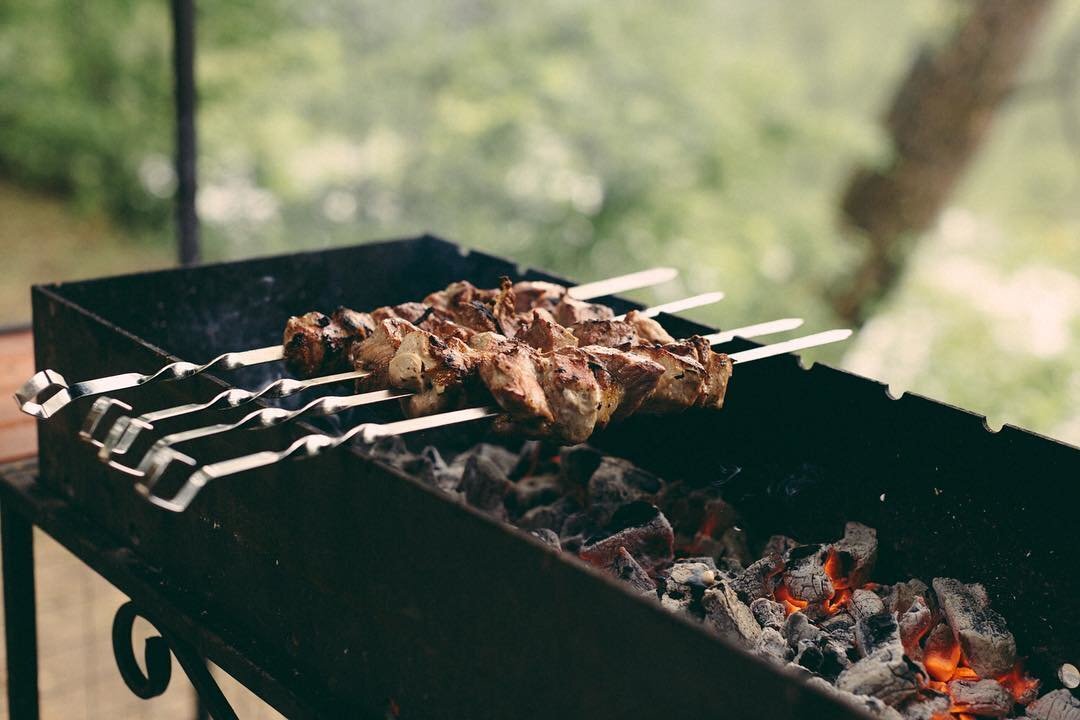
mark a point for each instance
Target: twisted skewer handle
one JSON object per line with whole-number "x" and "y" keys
{"x": 305, "y": 447}
{"x": 47, "y": 391}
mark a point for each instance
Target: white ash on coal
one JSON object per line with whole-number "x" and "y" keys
{"x": 907, "y": 651}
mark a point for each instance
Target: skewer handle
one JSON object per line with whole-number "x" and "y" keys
{"x": 47, "y": 392}
{"x": 305, "y": 447}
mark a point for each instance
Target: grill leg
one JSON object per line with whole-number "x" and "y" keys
{"x": 20, "y": 617}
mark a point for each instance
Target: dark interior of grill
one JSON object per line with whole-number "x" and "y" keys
{"x": 797, "y": 451}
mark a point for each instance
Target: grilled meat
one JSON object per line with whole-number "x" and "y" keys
{"x": 436, "y": 370}
{"x": 376, "y": 351}
{"x": 543, "y": 333}
{"x": 682, "y": 383}
{"x": 625, "y": 378}
{"x": 647, "y": 329}
{"x": 571, "y": 312}
{"x": 315, "y": 342}
{"x": 609, "y": 333}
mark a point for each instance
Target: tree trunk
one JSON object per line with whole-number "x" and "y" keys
{"x": 939, "y": 117}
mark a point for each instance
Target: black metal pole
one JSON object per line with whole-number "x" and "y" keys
{"x": 183, "y": 17}
{"x": 20, "y": 614}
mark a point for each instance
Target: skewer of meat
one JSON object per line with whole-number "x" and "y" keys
{"x": 47, "y": 391}
{"x": 560, "y": 402}
{"x": 315, "y": 343}
{"x": 118, "y": 443}
{"x": 318, "y": 443}
{"x": 318, "y": 340}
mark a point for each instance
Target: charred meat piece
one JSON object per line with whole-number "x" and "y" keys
{"x": 436, "y": 370}
{"x": 609, "y": 333}
{"x": 543, "y": 333}
{"x": 647, "y": 329}
{"x": 411, "y": 311}
{"x": 571, "y": 312}
{"x": 316, "y": 343}
{"x": 459, "y": 293}
{"x": 537, "y": 295}
{"x": 717, "y": 370}
{"x": 571, "y": 393}
{"x": 682, "y": 384}
{"x": 376, "y": 351}
{"x": 625, "y": 380}
{"x": 510, "y": 371}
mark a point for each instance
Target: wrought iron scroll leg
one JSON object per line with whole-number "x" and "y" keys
{"x": 159, "y": 665}
{"x": 20, "y": 613}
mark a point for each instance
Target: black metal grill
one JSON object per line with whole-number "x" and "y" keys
{"x": 393, "y": 596}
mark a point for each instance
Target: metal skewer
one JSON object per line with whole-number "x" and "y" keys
{"x": 310, "y": 445}
{"x": 124, "y": 434}
{"x": 125, "y": 430}
{"x": 44, "y": 394}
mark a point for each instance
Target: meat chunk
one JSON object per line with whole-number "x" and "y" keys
{"x": 537, "y": 295}
{"x": 376, "y": 351}
{"x": 570, "y": 393}
{"x": 511, "y": 373}
{"x": 571, "y": 312}
{"x": 647, "y": 329}
{"x": 682, "y": 383}
{"x": 609, "y": 333}
{"x": 543, "y": 333}
{"x": 315, "y": 343}
{"x": 436, "y": 370}
{"x": 625, "y": 380}
{"x": 717, "y": 371}
{"x": 459, "y": 293}
{"x": 410, "y": 311}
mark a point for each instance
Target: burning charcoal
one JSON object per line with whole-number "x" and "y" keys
{"x": 551, "y": 516}
{"x": 865, "y": 603}
{"x": 805, "y": 578}
{"x": 578, "y": 463}
{"x": 430, "y": 467}
{"x": 768, "y": 613}
{"x": 729, "y": 616}
{"x": 707, "y": 561}
{"x": 840, "y": 627}
{"x": 527, "y": 460}
{"x": 677, "y": 603}
{"x": 865, "y": 703}
{"x": 941, "y": 653}
{"x": 616, "y": 482}
{"x": 771, "y": 644}
{"x": 533, "y": 490}
{"x": 485, "y": 484}
{"x": 500, "y": 456}
{"x": 798, "y": 629}
{"x": 900, "y": 596}
{"x": 877, "y": 632}
{"x": 642, "y": 530}
{"x": 914, "y": 623}
{"x": 759, "y": 579}
{"x": 548, "y": 537}
{"x": 930, "y": 706}
{"x": 1057, "y": 705}
{"x": 855, "y": 554}
{"x": 627, "y": 569}
{"x": 697, "y": 514}
{"x": 981, "y": 697}
{"x": 779, "y": 545}
{"x": 885, "y": 674}
{"x": 988, "y": 645}
{"x": 692, "y": 574}
{"x": 733, "y": 545}
{"x": 391, "y": 449}
{"x": 576, "y": 529}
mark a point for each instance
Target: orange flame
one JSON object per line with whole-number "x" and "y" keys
{"x": 1019, "y": 684}
{"x": 942, "y": 667}
{"x": 791, "y": 603}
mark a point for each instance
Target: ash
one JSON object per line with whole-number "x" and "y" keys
{"x": 908, "y": 651}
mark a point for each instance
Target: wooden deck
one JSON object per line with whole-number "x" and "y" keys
{"x": 78, "y": 678}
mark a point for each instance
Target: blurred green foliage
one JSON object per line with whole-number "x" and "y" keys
{"x": 586, "y": 137}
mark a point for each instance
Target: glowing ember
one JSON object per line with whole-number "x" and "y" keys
{"x": 791, "y": 604}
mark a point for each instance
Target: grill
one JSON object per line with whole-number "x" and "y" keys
{"x": 394, "y": 597}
